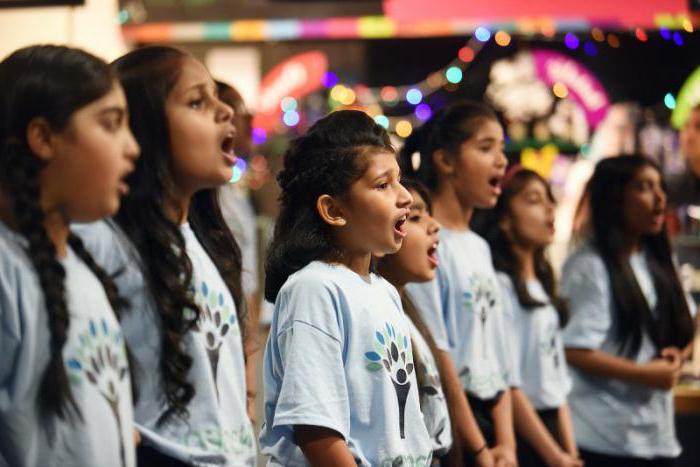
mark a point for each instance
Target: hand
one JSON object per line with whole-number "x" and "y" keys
{"x": 504, "y": 456}
{"x": 484, "y": 459}
{"x": 251, "y": 409}
{"x": 565, "y": 459}
{"x": 673, "y": 355}
{"x": 137, "y": 438}
{"x": 661, "y": 373}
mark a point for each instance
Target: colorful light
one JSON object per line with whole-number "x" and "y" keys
{"x": 454, "y": 74}
{"x": 259, "y": 136}
{"x": 466, "y": 54}
{"x": 678, "y": 38}
{"x": 688, "y": 25}
{"x": 414, "y": 96}
{"x": 670, "y": 101}
{"x": 288, "y": 104}
{"x": 590, "y": 49}
{"x": 330, "y": 79}
{"x": 482, "y": 34}
{"x": 598, "y": 34}
{"x": 560, "y": 90}
{"x": 641, "y": 34}
{"x": 404, "y": 128}
{"x": 613, "y": 41}
{"x": 502, "y": 38}
{"x": 337, "y": 92}
{"x": 291, "y": 118}
{"x": 389, "y": 94}
{"x": 423, "y": 112}
{"x": 348, "y": 97}
{"x": 236, "y": 175}
{"x": 665, "y": 33}
{"x": 382, "y": 121}
{"x": 571, "y": 41}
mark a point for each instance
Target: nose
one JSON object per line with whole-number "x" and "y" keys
{"x": 433, "y": 226}
{"x": 224, "y": 112}
{"x": 661, "y": 196}
{"x": 405, "y": 198}
{"x": 501, "y": 160}
{"x": 132, "y": 148}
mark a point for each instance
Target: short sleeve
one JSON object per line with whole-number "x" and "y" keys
{"x": 585, "y": 286}
{"x": 512, "y": 330}
{"x": 430, "y": 299}
{"x": 10, "y": 340}
{"x": 309, "y": 361}
{"x": 106, "y": 243}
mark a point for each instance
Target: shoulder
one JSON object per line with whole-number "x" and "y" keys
{"x": 107, "y": 243}
{"x": 585, "y": 259}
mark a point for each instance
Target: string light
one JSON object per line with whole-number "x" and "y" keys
{"x": 414, "y": 96}
{"x": 598, "y": 34}
{"x": 571, "y": 41}
{"x": 560, "y": 90}
{"x": 288, "y": 104}
{"x": 291, "y": 118}
{"x": 641, "y": 34}
{"x": 454, "y": 74}
{"x": 423, "y": 112}
{"x": 466, "y": 54}
{"x": 590, "y": 49}
{"x": 502, "y": 38}
{"x": 382, "y": 121}
{"x": 259, "y": 135}
{"x": 670, "y": 101}
{"x": 613, "y": 41}
{"x": 482, "y": 34}
{"x": 678, "y": 38}
{"x": 330, "y": 79}
{"x": 404, "y": 128}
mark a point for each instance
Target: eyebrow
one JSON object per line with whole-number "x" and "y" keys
{"x": 419, "y": 206}
{"x": 386, "y": 173}
{"x": 114, "y": 109}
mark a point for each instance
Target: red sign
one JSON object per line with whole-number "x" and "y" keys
{"x": 296, "y": 77}
{"x": 625, "y": 12}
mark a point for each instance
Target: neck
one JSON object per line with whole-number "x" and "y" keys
{"x": 56, "y": 225}
{"x": 177, "y": 208}
{"x": 526, "y": 259}
{"x": 448, "y": 210}
{"x": 393, "y": 278}
{"x": 356, "y": 262}
{"x": 633, "y": 244}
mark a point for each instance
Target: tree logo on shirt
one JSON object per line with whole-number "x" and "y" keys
{"x": 216, "y": 320}
{"x": 101, "y": 358}
{"x": 480, "y": 300}
{"x": 392, "y": 352}
{"x": 549, "y": 343}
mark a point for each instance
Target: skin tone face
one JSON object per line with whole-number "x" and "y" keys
{"x": 530, "y": 218}
{"x": 644, "y": 204}
{"x": 201, "y": 131}
{"x": 480, "y": 166}
{"x": 371, "y": 217}
{"x": 417, "y": 260}
{"x": 690, "y": 141}
{"x": 88, "y": 160}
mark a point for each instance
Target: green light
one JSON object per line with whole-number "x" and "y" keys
{"x": 453, "y": 74}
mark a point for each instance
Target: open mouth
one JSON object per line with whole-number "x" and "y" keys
{"x": 495, "y": 183}
{"x": 399, "y": 227}
{"x": 432, "y": 254}
{"x": 227, "y": 149}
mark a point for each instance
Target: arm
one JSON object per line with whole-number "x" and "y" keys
{"x": 465, "y": 424}
{"x": 323, "y": 447}
{"x": 566, "y": 431}
{"x": 502, "y": 414}
{"x": 660, "y": 373}
{"x": 251, "y": 347}
{"x": 529, "y": 425}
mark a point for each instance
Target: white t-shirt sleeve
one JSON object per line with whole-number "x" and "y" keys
{"x": 106, "y": 243}
{"x": 511, "y": 329}
{"x": 584, "y": 285}
{"x": 430, "y": 300}
{"x": 309, "y": 359}
{"x": 10, "y": 341}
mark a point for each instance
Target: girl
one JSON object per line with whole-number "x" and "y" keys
{"x": 65, "y": 148}
{"x": 458, "y": 154}
{"x": 340, "y": 382}
{"x": 518, "y": 230}
{"x": 630, "y": 321}
{"x": 181, "y": 266}
{"x": 416, "y": 262}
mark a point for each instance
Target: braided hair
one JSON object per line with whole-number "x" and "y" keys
{"x": 49, "y": 82}
{"x": 148, "y": 75}
{"x": 326, "y": 160}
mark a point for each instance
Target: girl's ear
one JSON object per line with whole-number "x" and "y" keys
{"x": 39, "y": 135}
{"x": 444, "y": 164}
{"x": 330, "y": 211}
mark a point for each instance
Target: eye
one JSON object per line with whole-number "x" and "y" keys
{"x": 112, "y": 125}
{"x": 383, "y": 186}
{"x": 196, "y": 103}
{"x": 415, "y": 218}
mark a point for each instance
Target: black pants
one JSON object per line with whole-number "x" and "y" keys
{"x": 146, "y": 456}
{"x": 593, "y": 459}
{"x": 527, "y": 455}
{"x": 482, "y": 413}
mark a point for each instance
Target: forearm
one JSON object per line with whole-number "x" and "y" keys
{"x": 323, "y": 447}
{"x": 530, "y": 427}
{"x": 251, "y": 348}
{"x": 502, "y": 414}
{"x": 602, "y": 364}
{"x": 566, "y": 430}
{"x": 466, "y": 427}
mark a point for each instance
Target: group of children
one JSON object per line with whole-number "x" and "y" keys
{"x": 405, "y": 332}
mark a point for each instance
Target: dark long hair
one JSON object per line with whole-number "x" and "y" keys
{"x": 148, "y": 76}
{"x": 505, "y": 259}
{"x": 673, "y": 325}
{"x": 326, "y": 160}
{"x": 49, "y": 82}
{"x": 447, "y": 129}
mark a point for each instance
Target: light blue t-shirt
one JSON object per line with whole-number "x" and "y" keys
{"x": 339, "y": 356}
{"x": 539, "y": 364}
{"x": 462, "y": 307}
{"x": 432, "y": 399}
{"x": 218, "y": 431}
{"x": 612, "y": 416}
{"x": 95, "y": 361}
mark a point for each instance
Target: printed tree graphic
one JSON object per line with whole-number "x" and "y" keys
{"x": 481, "y": 301}
{"x": 430, "y": 386}
{"x": 549, "y": 343}
{"x": 216, "y": 319}
{"x": 101, "y": 358}
{"x": 393, "y": 354}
